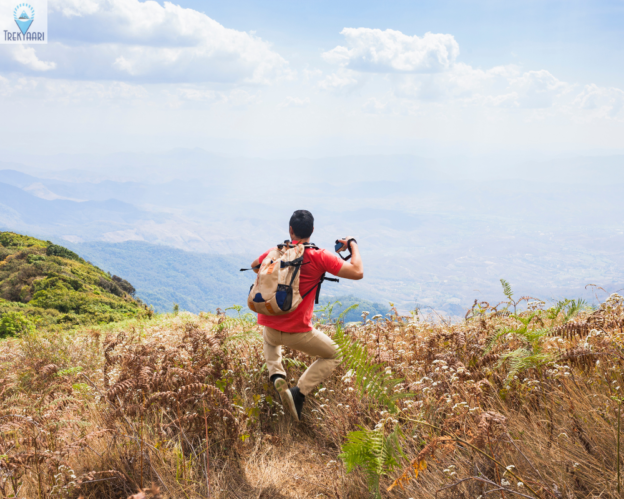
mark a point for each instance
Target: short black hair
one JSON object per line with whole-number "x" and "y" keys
{"x": 302, "y": 223}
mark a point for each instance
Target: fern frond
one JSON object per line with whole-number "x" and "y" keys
{"x": 347, "y": 310}
{"x": 370, "y": 378}
{"x": 506, "y": 289}
{"x": 375, "y": 453}
{"x": 522, "y": 359}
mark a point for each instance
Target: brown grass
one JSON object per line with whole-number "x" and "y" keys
{"x": 130, "y": 409}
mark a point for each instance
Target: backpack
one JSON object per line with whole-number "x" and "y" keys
{"x": 276, "y": 289}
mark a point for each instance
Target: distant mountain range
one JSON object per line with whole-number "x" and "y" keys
{"x": 431, "y": 234}
{"x": 164, "y": 276}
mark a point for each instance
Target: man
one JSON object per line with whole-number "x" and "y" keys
{"x": 295, "y": 330}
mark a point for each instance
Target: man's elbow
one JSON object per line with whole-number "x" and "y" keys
{"x": 358, "y": 275}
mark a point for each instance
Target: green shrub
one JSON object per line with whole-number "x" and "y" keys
{"x": 13, "y": 240}
{"x": 124, "y": 285}
{"x": 14, "y": 323}
{"x": 35, "y": 258}
{"x": 56, "y": 289}
{"x": 56, "y": 250}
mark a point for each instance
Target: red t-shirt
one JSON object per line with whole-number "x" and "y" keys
{"x": 300, "y": 320}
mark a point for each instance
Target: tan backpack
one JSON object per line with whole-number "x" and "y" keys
{"x": 276, "y": 290}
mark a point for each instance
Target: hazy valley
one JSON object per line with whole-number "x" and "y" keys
{"x": 436, "y": 234}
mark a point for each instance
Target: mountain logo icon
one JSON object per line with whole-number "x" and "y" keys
{"x": 24, "y": 16}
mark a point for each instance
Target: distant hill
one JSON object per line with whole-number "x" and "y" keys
{"x": 51, "y": 286}
{"x": 164, "y": 275}
{"x": 339, "y": 304}
{"x": 195, "y": 281}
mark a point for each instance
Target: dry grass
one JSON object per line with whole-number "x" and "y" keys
{"x": 111, "y": 411}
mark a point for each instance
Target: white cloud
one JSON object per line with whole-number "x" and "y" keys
{"x": 537, "y": 89}
{"x": 148, "y": 42}
{"x": 425, "y": 69}
{"x": 120, "y": 94}
{"x": 501, "y": 86}
{"x": 341, "y": 80}
{"x": 601, "y": 102}
{"x": 374, "y": 50}
{"x": 295, "y": 102}
{"x": 27, "y": 56}
{"x": 67, "y": 92}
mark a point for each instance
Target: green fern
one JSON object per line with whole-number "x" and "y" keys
{"x": 522, "y": 359}
{"x": 371, "y": 379}
{"x": 370, "y": 450}
{"x": 572, "y": 308}
{"x": 346, "y": 311}
{"x": 374, "y": 453}
{"x": 530, "y": 354}
{"x": 507, "y": 289}
{"x": 329, "y": 308}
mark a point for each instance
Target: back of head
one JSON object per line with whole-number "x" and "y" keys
{"x": 302, "y": 223}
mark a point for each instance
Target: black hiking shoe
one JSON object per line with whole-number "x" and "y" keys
{"x": 294, "y": 399}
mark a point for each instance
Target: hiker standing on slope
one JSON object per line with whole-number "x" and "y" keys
{"x": 287, "y": 317}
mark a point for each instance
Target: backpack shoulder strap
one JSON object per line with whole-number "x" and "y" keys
{"x": 286, "y": 244}
{"x": 318, "y": 287}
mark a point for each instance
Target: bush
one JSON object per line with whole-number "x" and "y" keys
{"x": 56, "y": 250}
{"x": 110, "y": 286}
{"x": 35, "y": 258}
{"x": 125, "y": 285}
{"x": 14, "y": 324}
{"x": 13, "y": 240}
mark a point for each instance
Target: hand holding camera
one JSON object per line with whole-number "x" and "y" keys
{"x": 344, "y": 244}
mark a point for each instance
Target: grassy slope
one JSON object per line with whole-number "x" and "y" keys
{"x": 53, "y": 286}
{"x": 136, "y": 392}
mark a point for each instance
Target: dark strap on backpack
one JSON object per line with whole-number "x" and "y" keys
{"x": 290, "y": 245}
{"x": 318, "y": 287}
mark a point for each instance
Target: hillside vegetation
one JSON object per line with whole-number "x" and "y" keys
{"x": 503, "y": 404}
{"x": 48, "y": 286}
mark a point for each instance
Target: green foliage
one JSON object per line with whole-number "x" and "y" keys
{"x": 18, "y": 241}
{"x": 244, "y": 321}
{"x": 507, "y": 289}
{"x": 176, "y": 309}
{"x": 522, "y": 359}
{"x": 371, "y": 379}
{"x": 340, "y": 305}
{"x": 346, "y": 311}
{"x": 56, "y": 250}
{"x": 35, "y": 258}
{"x": 370, "y": 450}
{"x": 56, "y": 288}
{"x": 530, "y": 355}
{"x": 570, "y": 309}
{"x": 14, "y": 324}
{"x": 374, "y": 453}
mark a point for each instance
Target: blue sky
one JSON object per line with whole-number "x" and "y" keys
{"x": 574, "y": 38}
{"x": 277, "y": 78}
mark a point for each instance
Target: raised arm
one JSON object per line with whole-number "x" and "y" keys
{"x": 353, "y": 269}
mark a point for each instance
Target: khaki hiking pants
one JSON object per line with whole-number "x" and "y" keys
{"x": 313, "y": 343}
